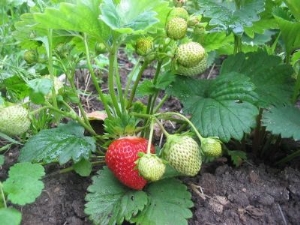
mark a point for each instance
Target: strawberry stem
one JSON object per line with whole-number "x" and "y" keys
{"x": 94, "y": 78}
{"x": 150, "y": 136}
{"x": 162, "y": 128}
{"x": 184, "y": 118}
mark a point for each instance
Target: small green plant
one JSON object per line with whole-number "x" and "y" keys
{"x": 254, "y": 44}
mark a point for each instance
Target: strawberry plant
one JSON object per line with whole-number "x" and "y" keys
{"x": 250, "y": 104}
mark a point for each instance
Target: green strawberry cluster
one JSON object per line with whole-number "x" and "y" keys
{"x": 14, "y": 120}
{"x": 190, "y": 57}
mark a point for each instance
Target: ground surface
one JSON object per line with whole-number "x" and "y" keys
{"x": 250, "y": 194}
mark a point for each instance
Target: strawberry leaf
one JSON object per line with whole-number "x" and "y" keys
{"x": 10, "y": 216}
{"x": 83, "y": 167}
{"x": 130, "y": 16}
{"x": 289, "y": 33}
{"x": 283, "y": 120}
{"x": 23, "y": 185}
{"x": 81, "y": 17}
{"x": 63, "y": 143}
{"x": 237, "y": 157}
{"x": 223, "y": 107}
{"x": 146, "y": 87}
{"x": 169, "y": 203}
{"x": 39, "y": 88}
{"x": 226, "y": 16}
{"x": 164, "y": 80}
{"x": 110, "y": 202}
{"x": 294, "y": 6}
{"x": 272, "y": 78}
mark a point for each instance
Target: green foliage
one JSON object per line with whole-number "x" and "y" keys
{"x": 294, "y": 6}
{"x": 63, "y": 143}
{"x": 23, "y": 185}
{"x": 10, "y": 216}
{"x": 283, "y": 121}
{"x": 237, "y": 157}
{"x": 81, "y": 17}
{"x": 128, "y": 16}
{"x": 227, "y": 106}
{"x": 271, "y": 77}
{"x": 290, "y": 34}
{"x": 117, "y": 202}
{"x": 227, "y": 15}
{"x": 163, "y": 202}
{"x": 83, "y": 167}
{"x": 169, "y": 203}
{"x": 223, "y": 107}
{"x": 40, "y": 87}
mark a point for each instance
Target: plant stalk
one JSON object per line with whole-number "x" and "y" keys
{"x": 94, "y": 78}
{"x": 111, "y": 74}
{"x": 136, "y": 82}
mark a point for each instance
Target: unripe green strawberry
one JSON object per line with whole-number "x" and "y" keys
{"x": 100, "y": 48}
{"x": 151, "y": 167}
{"x": 211, "y": 147}
{"x": 199, "y": 30}
{"x": 193, "y": 21}
{"x": 144, "y": 45}
{"x": 178, "y": 12}
{"x": 183, "y": 154}
{"x": 190, "y": 54}
{"x": 192, "y": 71}
{"x": 176, "y": 28}
{"x": 14, "y": 120}
{"x": 31, "y": 56}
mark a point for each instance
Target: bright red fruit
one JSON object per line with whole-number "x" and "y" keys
{"x": 120, "y": 159}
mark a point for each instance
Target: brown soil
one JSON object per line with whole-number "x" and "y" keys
{"x": 250, "y": 194}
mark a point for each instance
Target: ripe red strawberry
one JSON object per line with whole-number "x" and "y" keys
{"x": 121, "y": 156}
